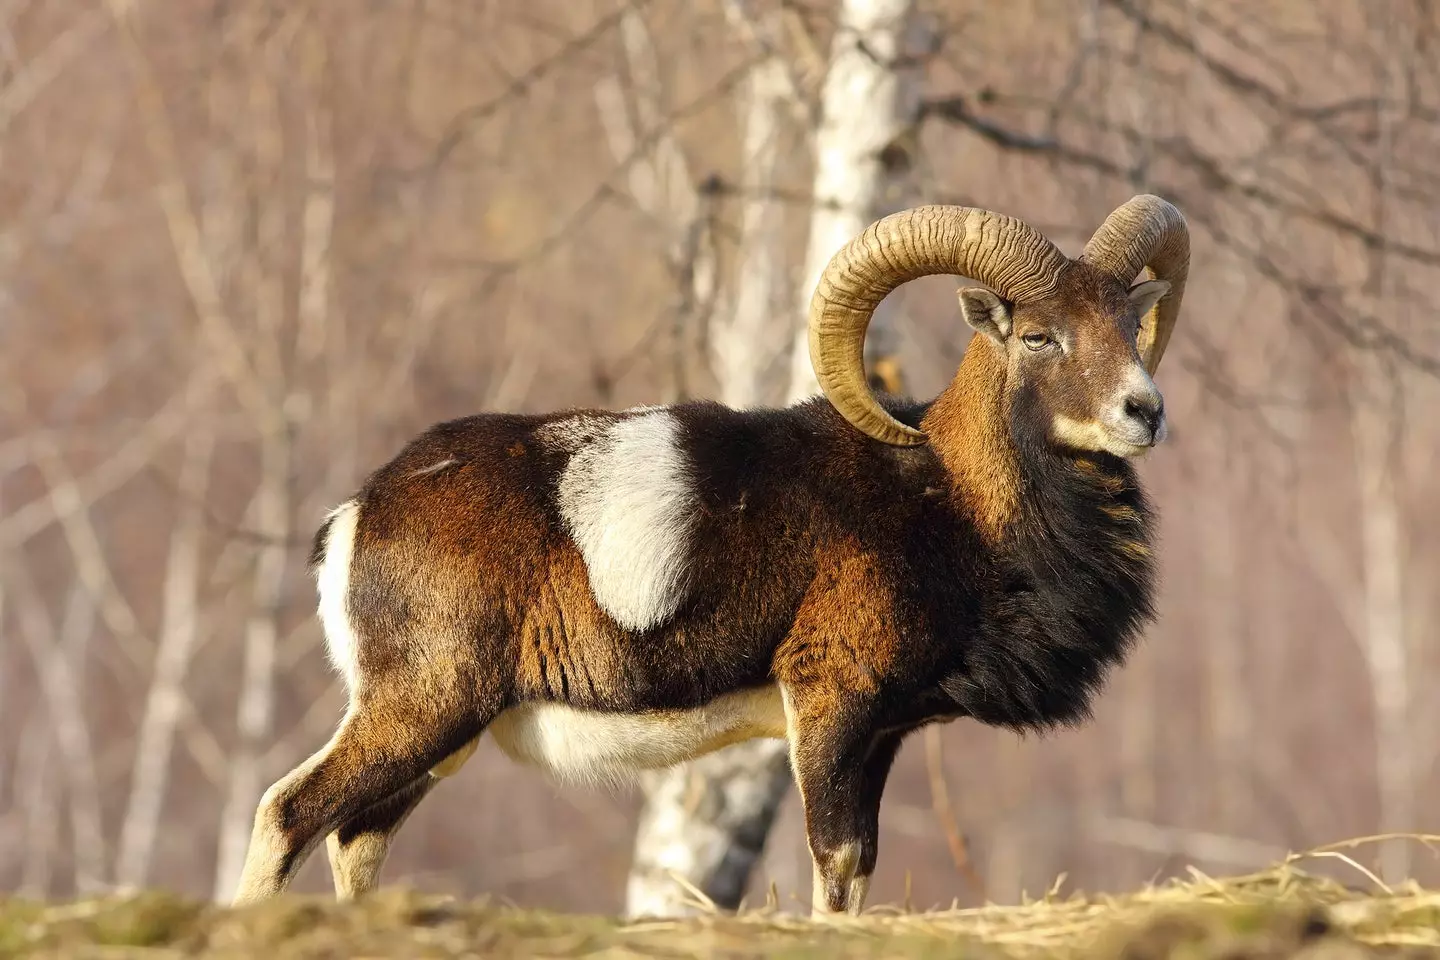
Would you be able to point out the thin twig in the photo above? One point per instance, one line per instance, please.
(945, 813)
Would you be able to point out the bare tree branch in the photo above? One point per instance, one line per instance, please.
(164, 702)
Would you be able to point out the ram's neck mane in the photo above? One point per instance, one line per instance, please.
(1070, 537)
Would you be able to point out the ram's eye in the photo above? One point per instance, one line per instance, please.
(1036, 341)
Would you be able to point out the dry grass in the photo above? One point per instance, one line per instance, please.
(1286, 911)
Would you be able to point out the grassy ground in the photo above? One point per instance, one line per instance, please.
(1283, 912)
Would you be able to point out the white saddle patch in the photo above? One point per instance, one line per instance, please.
(629, 503)
(588, 746)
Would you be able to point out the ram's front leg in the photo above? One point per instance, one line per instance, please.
(840, 766)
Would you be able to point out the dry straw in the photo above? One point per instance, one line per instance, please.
(1365, 909)
(1321, 903)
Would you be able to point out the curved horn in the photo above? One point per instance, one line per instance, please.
(1005, 254)
(1146, 231)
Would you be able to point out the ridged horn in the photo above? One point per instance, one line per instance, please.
(1146, 231)
(1006, 255)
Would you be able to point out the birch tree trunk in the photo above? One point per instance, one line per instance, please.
(36, 800)
(871, 96)
(59, 657)
(747, 346)
(87, 835)
(707, 821)
(662, 185)
(1375, 428)
(255, 717)
(1382, 619)
(163, 711)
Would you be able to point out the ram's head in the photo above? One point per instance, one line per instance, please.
(1078, 340)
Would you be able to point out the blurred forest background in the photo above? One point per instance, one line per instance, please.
(249, 247)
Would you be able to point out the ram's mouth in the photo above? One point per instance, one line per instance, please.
(1127, 450)
(1136, 439)
(1127, 441)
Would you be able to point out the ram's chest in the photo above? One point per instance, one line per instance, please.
(591, 746)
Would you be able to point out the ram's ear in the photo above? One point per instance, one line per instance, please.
(1146, 294)
(986, 312)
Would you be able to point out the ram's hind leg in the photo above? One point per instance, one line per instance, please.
(357, 848)
(385, 745)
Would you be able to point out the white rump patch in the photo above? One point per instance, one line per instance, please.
(629, 503)
(589, 746)
(333, 579)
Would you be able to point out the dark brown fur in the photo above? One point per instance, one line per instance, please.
(989, 574)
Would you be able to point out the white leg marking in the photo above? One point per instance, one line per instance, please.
(845, 863)
(356, 868)
(333, 579)
(818, 904)
(629, 503)
(859, 891)
(263, 873)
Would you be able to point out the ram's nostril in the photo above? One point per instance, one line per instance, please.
(1146, 409)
